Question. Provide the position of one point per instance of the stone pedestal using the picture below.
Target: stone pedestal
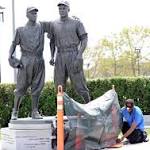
(28, 134)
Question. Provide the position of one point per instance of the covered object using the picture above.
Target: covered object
(94, 125)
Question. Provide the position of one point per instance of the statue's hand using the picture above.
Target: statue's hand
(20, 65)
(15, 63)
(78, 65)
(52, 62)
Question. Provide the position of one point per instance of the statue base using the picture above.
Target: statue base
(28, 134)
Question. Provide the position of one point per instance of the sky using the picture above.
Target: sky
(100, 18)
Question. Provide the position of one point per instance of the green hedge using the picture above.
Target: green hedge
(136, 88)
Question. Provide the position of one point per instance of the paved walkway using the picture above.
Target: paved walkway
(139, 146)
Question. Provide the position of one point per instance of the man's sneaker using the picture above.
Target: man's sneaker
(145, 137)
(146, 140)
(126, 142)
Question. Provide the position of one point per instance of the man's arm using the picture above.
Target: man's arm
(52, 44)
(83, 44)
(14, 62)
(15, 42)
(12, 49)
(78, 63)
(52, 51)
(131, 129)
(83, 37)
(48, 27)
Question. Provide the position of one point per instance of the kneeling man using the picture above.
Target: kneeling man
(133, 123)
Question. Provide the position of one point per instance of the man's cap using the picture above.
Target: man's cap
(29, 9)
(66, 3)
(129, 103)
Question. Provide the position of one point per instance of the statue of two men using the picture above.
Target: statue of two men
(68, 36)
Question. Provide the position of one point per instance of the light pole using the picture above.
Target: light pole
(138, 51)
(1, 20)
(1, 14)
(13, 31)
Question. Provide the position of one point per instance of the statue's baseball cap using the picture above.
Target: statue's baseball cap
(66, 3)
(29, 9)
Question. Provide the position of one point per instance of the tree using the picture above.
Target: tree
(121, 54)
(133, 39)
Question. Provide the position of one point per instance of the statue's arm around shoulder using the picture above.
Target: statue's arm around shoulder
(46, 25)
(52, 44)
(49, 28)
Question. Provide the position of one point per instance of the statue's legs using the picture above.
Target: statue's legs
(64, 68)
(35, 113)
(79, 83)
(38, 78)
(19, 92)
(60, 73)
(15, 110)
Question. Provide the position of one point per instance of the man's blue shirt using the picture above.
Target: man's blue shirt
(135, 115)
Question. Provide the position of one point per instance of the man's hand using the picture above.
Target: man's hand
(52, 62)
(77, 65)
(119, 140)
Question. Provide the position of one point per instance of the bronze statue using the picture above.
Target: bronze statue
(70, 39)
(31, 67)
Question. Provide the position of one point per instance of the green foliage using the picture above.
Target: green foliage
(6, 102)
(136, 88)
(148, 131)
(48, 98)
(47, 102)
(120, 54)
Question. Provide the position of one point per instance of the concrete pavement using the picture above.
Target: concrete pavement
(139, 146)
